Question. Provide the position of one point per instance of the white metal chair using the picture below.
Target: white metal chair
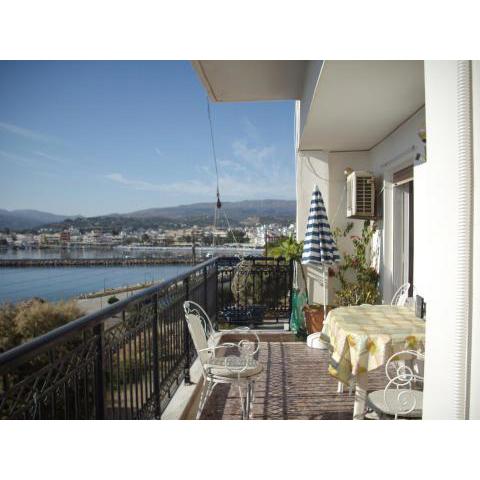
(240, 370)
(401, 295)
(398, 399)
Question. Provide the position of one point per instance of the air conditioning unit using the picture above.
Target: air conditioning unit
(360, 195)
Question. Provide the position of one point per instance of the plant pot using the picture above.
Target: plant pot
(314, 317)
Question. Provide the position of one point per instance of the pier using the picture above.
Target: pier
(93, 262)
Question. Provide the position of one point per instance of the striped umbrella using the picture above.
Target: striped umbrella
(319, 246)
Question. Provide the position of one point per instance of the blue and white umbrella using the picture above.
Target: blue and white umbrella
(319, 246)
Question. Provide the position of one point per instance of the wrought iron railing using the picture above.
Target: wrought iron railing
(254, 291)
(126, 361)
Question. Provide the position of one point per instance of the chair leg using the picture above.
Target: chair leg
(206, 391)
(252, 397)
(242, 401)
(248, 400)
(203, 396)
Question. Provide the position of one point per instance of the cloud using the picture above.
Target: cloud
(33, 165)
(252, 155)
(253, 171)
(189, 186)
(251, 130)
(33, 159)
(26, 133)
(232, 188)
(18, 159)
(159, 152)
(53, 158)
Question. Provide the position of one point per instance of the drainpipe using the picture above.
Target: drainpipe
(463, 310)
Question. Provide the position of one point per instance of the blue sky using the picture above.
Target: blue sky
(94, 138)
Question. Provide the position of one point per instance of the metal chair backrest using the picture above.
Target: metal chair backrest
(200, 328)
(401, 295)
(401, 377)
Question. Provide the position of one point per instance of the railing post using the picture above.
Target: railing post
(290, 270)
(156, 372)
(215, 295)
(99, 387)
(205, 290)
(216, 291)
(186, 338)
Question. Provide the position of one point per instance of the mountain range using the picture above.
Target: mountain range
(26, 219)
(202, 214)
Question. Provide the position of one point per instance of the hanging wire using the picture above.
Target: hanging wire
(219, 203)
(212, 139)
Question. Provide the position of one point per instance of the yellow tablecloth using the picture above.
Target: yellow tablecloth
(362, 338)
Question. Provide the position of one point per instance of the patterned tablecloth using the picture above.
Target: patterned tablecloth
(362, 338)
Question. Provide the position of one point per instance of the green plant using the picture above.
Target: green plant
(358, 280)
(112, 300)
(290, 249)
(24, 321)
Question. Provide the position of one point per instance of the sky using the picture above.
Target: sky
(95, 138)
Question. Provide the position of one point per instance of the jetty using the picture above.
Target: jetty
(94, 262)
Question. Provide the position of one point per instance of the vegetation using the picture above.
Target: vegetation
(22, 322)
(113, 299)
(290, 249)
(358, 280)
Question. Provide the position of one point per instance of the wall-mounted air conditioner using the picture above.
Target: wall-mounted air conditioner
(360, 195)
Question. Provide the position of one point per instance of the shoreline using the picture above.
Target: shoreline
(93, 262)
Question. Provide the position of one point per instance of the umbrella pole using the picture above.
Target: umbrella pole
(325, 276)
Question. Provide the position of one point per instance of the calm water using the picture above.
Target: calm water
(65, 282)
(46, 253)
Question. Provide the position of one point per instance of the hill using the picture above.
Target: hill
(201, 214)
(26, 219)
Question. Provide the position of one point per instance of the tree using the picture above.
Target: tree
(290, 249)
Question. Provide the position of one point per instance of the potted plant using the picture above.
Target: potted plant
(358, 280)
(292, 250)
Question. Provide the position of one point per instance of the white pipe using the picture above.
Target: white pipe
(464, 232)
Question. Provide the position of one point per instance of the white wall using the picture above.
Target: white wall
(436, 243)
(396, 147)
(337, 200)
(312, 74)
(312, 169)
(435, 207)
(475, 356)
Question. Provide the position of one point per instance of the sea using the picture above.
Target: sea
(62, 283)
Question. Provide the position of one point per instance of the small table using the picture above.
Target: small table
(362, 338)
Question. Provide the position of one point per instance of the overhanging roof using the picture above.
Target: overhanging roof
(356, 104)
(251, 80)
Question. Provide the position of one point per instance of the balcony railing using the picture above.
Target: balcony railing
(126, 361)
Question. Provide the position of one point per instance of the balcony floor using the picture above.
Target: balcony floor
(294, 385)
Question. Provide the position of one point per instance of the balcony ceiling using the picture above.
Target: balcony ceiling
(356, 104)
(251, 80)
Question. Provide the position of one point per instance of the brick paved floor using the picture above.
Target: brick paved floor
(294, 385)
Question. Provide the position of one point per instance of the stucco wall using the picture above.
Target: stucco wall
(475, 356)
(312, 169)
(312, 74)
(396, 152)
(337, 200)
(436, 244)
(327, 170)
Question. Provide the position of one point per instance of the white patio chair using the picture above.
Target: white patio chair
(401, 295)
(398, 399)
(240, 370)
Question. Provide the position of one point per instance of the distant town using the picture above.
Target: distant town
(253, 236)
